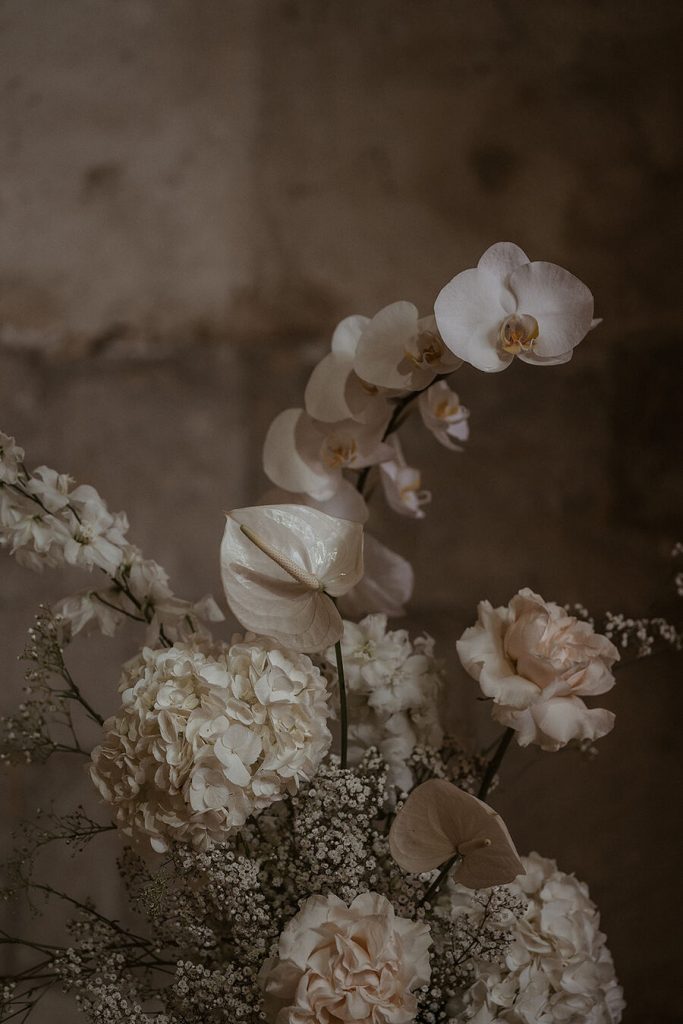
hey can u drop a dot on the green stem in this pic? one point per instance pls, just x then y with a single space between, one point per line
489 774
343 711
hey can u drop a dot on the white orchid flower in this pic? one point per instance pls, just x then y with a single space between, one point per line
303 455
443 414
387 583
335 391
402 484
508 306
282 565
402 351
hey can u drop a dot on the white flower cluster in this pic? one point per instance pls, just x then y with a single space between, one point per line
393 686
208 735
47 522
558 969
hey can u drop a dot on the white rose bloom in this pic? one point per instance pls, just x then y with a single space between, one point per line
558 969
536 663
207 735
347 963
393 689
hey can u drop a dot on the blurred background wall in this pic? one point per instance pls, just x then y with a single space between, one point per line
194 192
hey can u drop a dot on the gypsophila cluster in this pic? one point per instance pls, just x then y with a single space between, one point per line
394 686
469 929
640 636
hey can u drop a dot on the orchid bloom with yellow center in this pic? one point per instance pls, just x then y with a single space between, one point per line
444 416
399 350
508 306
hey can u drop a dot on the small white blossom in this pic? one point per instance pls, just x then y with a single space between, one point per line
393 687
11 459
444 416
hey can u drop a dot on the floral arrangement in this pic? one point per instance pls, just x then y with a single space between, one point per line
302 842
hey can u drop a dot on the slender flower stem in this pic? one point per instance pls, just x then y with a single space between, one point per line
343 711
489 774
494 764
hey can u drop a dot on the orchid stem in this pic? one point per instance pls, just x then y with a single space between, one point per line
343 711
489 774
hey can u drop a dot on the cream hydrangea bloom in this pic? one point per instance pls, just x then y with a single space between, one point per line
536 663
393 688
558 969
340 963
207 735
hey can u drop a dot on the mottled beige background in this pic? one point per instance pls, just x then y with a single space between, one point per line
192 193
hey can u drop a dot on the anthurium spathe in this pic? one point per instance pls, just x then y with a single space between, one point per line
508 306
304 455
282 565
439 821
400 350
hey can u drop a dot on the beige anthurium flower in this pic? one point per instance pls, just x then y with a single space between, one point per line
402 351
439 821
282 565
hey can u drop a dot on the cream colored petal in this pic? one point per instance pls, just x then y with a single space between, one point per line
469 311
347 333
325 394
265 597
383 346
562 305
345 503
387 584
439 820
292 459
501 259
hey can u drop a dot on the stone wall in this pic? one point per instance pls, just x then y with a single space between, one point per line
193 193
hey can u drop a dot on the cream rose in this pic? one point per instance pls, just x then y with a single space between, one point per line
357 963
536 663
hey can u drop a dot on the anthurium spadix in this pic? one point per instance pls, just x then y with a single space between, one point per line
440 821
282 565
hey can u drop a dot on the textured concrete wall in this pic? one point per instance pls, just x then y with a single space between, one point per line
193 193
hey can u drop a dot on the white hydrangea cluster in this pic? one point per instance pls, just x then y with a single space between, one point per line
208 735
558 969
393 686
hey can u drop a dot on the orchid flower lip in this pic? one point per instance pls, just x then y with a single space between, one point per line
301 575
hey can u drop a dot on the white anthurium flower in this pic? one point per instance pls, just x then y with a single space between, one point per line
301 454
282 565
346 503
508 306
400 350
387 583
402 484
443 414
335 391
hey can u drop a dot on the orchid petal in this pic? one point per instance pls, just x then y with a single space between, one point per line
387 584
384 343
562 305
439 820
501 259
347 333
292 456
469 311
325 395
